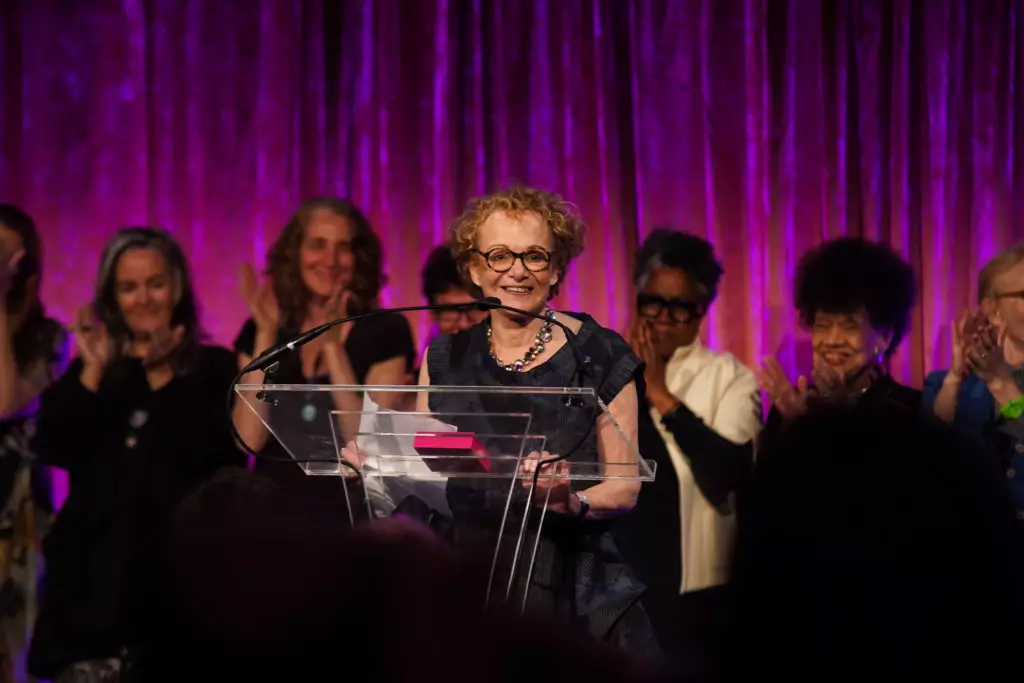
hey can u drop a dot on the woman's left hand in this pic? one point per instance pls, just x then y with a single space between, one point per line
553 489
336 309
162 344
984 353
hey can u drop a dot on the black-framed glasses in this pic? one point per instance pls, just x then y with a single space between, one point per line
501 259
453 316
651 308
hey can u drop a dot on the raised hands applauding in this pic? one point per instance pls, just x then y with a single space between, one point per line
982 350
789 400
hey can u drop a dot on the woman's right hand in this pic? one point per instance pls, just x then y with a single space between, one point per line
354 457
260 299
790 401
95 347
964 330
94 344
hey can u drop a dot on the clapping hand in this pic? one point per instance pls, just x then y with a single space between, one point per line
260 299
965 329
829 382
983 353
654 367
94 344
337 308
162 344
789 400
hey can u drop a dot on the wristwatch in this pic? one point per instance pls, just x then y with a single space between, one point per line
584 504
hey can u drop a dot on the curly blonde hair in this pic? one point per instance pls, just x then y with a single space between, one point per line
559 215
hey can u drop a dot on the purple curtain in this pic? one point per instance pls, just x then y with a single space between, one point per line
766 126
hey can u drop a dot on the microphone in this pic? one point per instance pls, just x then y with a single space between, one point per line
270 356
582 368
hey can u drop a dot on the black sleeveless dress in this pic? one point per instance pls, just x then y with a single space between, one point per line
579 576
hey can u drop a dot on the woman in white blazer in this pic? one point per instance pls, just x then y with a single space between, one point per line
702 415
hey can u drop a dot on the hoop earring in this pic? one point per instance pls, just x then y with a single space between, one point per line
878 354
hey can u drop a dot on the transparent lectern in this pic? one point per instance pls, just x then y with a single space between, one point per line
474 463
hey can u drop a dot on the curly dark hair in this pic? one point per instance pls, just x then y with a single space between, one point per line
34 337
851 274
283 261
441 273
668 248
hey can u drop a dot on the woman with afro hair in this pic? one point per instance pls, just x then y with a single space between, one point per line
855 296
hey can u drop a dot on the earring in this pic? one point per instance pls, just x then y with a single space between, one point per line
878 354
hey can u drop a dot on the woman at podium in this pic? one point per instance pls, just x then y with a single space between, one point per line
516 246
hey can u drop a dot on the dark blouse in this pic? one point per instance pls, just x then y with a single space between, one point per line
579 573
132 454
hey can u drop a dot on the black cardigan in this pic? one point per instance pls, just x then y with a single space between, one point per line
132 454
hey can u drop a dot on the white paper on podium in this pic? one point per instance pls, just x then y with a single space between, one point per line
390 481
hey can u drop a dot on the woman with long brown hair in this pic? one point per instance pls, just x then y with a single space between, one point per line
325 265
33 351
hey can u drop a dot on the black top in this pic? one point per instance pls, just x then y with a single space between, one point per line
884 395
132 454
371 340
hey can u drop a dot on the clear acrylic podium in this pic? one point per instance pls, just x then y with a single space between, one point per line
471 462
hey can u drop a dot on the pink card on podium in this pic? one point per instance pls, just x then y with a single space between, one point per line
453 444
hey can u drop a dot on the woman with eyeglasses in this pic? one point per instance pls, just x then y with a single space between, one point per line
443 284
983 390
700 415
517 246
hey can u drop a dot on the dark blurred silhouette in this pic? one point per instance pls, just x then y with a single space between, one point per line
271 591
875 546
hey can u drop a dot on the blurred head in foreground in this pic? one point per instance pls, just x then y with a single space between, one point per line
872 546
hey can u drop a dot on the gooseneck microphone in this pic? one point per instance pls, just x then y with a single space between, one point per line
268 360
270 356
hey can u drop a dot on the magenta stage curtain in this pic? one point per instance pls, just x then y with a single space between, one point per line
766 126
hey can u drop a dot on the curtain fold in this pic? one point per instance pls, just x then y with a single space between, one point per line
765 125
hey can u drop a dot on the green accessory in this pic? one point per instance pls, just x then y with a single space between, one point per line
1013 409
